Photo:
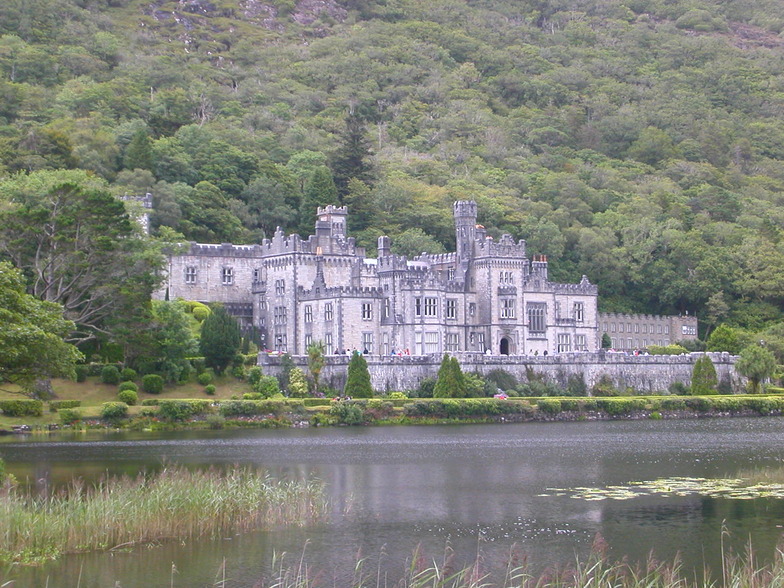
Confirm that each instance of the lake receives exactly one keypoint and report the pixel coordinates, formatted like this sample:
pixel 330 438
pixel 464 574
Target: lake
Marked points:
pixel 487 490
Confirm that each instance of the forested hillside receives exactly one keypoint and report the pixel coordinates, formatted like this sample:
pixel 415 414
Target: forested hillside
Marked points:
pixel 638 142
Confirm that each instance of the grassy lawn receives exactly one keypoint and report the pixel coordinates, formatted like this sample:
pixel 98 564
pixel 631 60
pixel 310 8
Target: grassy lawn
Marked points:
pixel 93 394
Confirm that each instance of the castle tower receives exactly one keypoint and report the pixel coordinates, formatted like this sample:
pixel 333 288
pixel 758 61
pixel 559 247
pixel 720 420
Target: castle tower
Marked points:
pixel 465 231
pixel 331 221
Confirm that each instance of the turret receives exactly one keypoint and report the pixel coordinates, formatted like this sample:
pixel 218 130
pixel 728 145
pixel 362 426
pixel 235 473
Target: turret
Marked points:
pixel 465 230
pixel 331 221
pixel 539 266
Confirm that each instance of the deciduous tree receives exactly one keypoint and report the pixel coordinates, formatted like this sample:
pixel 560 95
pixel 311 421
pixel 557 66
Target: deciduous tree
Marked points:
pixel 220 339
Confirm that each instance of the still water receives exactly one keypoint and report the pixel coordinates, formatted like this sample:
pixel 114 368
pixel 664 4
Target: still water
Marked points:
pixel 485 490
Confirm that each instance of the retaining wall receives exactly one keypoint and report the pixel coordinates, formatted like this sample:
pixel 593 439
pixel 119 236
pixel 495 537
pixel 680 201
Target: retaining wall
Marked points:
pixel 645 373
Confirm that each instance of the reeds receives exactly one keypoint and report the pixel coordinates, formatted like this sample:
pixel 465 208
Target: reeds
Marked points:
pixel 595 572
pixel 174 503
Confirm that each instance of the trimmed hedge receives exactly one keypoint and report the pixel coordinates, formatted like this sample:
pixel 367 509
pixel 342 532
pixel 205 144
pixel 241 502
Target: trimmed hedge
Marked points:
pixel 180 410
pixel 22 407
pixel 114 410
pixel 236 408
pixel 465 407
pixel 55 405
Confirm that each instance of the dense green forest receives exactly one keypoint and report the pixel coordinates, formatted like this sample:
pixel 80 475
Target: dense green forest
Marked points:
pixel 639 142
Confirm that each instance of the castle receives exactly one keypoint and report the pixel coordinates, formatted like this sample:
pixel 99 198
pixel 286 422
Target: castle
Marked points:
pixel 487 297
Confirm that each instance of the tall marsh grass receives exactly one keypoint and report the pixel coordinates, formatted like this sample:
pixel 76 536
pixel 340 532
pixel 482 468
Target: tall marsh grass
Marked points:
pixel 597 571
pixel 174 503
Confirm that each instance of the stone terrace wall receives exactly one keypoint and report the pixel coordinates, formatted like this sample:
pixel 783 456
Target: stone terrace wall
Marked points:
pixel 648 374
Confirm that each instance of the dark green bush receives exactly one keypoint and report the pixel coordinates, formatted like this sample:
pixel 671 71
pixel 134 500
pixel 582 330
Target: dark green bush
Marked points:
pixel 114 410
pixel 204 378
pixel 110 375
pixel 55 405
pixel 234 408
pixel 604 387
pixel 678 389
pixel 68 416
pixel 316 401
pixel 152 384
pixel 150 402
pixel 549 405
pixel 180 410
pixel 128 386
pixel 238 371
pixel 129 397
pixel 619 406
pixel 128 375
pixel 82 371
pixel 209 389
pixel 699 403
pixel 673 404
pixel 22 407
pixel 347 413
pixel 198 364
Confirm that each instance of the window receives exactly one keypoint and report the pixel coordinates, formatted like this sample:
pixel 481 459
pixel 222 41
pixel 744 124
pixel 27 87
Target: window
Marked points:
pixel 579 343
pixel 645 329
pixel 666 329
pixel 308 341
pixel 431 306
pixel 620 327
pixel 505 277
pixel 557 309
pixel 451 308
pixel 564 343
pixel 190 274
pixel 687 330
pixel 308 313
pixel 387 308
pixel 279 315
pixel 227 276
pixel 328 314
pixel 367 342
pixel 636 327
pixel 628 327
pixel 431 342
pixel 508 308
pixel 328 348
pixel 605 327
pixel 537 317
pixel 367 311
pixel 480 341
pixel 280 342
pixel 579 312
pixel 452 342
pixel 418 342
pixel 280 287
pixel 417 307
pixel 471 309
pixel 450 273
pixel 256 275
pixel 612 327
pixel 659 329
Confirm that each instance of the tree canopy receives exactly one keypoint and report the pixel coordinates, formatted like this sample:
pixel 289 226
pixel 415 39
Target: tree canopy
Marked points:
pixel 32 344
pixel 640 144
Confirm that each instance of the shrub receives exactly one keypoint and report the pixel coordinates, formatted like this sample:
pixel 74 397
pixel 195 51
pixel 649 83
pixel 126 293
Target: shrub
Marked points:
pixel 549 406
pixel 129 397
pixel 678 389
pixel 703 377
pixel 180 410
pixel 671 349
pixel 238 371
pixel 152 384
pixel 267 386
pixel 55 405
pixel 128 374
pixel 215 421
pixel 204 378
pixel 254 375
pixel 110 375
pixel 128 386
pixel 209 389
pixel 82 371
pixel 604 387
pixel 114 410
pixel 22 407
pixel 150 402
pixel 68 416
pixel 199 364
pixel 234 408
pixel 397 395
pixel 619 406
pixel 347 413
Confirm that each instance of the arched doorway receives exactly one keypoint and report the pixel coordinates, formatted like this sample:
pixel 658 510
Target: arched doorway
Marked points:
pixel 504 346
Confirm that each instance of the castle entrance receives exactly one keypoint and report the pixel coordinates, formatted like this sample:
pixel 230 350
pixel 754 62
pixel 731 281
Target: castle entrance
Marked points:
pixel 504 346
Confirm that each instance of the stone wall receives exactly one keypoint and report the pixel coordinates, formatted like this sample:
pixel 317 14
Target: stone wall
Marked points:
pixel 647 374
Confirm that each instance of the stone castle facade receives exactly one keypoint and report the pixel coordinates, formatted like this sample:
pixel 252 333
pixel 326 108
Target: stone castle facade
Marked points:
pixel 487 297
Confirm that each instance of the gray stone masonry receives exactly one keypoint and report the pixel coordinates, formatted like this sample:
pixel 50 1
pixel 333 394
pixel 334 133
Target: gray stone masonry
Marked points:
pixel 648 374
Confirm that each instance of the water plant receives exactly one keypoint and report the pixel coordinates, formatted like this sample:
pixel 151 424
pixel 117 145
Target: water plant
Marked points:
pixel 175 503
